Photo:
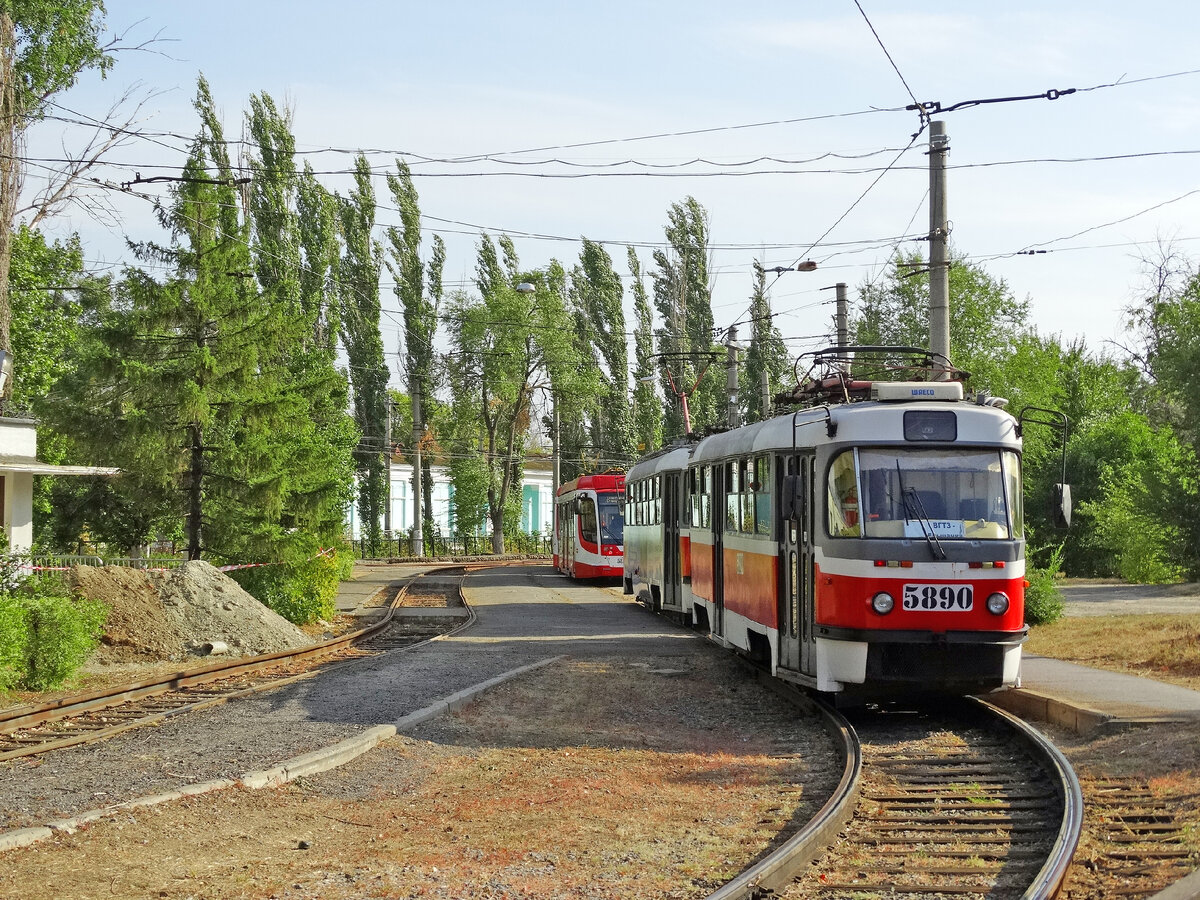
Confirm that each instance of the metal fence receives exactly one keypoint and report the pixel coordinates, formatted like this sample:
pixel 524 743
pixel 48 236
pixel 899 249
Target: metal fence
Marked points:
pixel 440 546
pixel 64 561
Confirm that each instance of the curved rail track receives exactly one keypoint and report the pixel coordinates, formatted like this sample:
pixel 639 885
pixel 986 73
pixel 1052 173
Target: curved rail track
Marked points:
pixel 964 802
pixel 31 730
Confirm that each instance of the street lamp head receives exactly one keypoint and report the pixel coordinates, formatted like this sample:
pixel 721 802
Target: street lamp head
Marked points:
pixel 649 379
pixel 526 287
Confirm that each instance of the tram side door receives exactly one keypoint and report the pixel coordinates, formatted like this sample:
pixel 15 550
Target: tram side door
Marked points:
pixel 720 503
pixel 796 558
pixel 671 598
pixel 566 530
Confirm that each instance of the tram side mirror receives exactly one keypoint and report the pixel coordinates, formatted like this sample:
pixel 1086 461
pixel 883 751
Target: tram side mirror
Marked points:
pixel 1062 505
pixel 792 499
pixel 576 506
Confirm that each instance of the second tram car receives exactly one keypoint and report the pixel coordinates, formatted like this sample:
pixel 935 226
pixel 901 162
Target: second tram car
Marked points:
pixel 658 564
pixel 865 547
pixel 589 527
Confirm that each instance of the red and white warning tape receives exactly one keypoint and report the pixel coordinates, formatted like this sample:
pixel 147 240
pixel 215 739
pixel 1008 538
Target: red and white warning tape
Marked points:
pixel 29 567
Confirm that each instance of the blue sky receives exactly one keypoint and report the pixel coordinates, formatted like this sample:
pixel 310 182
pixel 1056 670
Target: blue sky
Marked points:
pixel 459 79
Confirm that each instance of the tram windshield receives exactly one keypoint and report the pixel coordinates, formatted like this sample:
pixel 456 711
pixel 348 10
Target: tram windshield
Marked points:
pixel 612 519
pixel 884 492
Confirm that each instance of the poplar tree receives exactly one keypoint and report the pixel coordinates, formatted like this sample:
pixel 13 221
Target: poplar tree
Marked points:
pixel 767 355
pixel 599 297
pixel 685 340
pixel 358 289
pixel 647 407
pixel 419 290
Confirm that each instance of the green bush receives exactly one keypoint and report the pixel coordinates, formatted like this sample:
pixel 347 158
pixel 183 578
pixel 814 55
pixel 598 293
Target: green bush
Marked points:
pixel 46 634
pixel 302 593
pixel 1043 600
pixel 14 643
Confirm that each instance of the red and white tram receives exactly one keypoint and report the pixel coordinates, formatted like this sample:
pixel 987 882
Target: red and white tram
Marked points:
pixel 864 547
pixel 589 526
pixel 658 564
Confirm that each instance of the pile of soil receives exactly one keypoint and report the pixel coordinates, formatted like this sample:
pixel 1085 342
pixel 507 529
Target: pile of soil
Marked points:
pixel 180 614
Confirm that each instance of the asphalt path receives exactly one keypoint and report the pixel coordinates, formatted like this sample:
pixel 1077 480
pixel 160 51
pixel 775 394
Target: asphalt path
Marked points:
pixel 524 615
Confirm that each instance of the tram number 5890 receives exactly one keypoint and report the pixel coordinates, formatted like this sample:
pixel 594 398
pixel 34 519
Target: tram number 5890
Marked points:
pixel 949 597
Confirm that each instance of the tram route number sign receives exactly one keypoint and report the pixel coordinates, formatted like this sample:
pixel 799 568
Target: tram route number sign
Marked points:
pixel 943 597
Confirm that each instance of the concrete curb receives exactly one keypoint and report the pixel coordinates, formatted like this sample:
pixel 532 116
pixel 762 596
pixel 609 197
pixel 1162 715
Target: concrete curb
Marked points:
pixel 298 766
pixel 23 837
pixel 1031 704
pixel 455 700
pixel 1186 888
pixel 318 760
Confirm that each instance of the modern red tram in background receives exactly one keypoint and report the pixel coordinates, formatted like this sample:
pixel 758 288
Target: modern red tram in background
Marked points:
pixel 589 527
pixel 869 546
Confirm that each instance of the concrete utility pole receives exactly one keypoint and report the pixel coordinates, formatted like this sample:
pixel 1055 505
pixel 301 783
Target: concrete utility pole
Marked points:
pixel 731 377
pixel 387 480
pixel 939 271
pixel 557 472
pixel 843 315
pixel 418 517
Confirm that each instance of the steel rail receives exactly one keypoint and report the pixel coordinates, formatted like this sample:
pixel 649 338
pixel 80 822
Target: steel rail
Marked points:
pixel 1052 876
pixel 779 868
pixel 21 717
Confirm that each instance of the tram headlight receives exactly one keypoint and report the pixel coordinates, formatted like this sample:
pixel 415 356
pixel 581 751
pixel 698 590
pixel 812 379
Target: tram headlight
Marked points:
pixel 997 603
pixel 883 603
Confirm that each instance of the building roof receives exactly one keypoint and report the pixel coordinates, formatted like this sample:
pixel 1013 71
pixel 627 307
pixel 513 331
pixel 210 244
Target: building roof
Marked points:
pixel 33 466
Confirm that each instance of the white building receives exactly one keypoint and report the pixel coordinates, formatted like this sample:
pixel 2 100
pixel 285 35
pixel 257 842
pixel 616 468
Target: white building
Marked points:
pixel 18 465
pixel 537 500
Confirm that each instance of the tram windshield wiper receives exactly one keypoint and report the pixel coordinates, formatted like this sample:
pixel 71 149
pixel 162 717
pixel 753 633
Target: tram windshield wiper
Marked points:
pixel 914 506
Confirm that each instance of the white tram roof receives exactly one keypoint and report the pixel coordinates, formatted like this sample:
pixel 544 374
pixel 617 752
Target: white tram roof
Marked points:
pixel 869 421
pixel 673 459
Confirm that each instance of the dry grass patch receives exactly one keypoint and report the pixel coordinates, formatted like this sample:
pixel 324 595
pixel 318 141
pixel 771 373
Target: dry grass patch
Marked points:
pixel 1165 647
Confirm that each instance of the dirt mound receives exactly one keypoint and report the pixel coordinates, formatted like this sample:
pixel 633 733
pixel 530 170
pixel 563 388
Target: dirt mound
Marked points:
pixel 177 614
pixel 138 627
pixel 210 606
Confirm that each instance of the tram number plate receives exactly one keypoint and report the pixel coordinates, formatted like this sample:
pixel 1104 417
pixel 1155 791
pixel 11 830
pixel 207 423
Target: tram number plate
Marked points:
pixel 948 597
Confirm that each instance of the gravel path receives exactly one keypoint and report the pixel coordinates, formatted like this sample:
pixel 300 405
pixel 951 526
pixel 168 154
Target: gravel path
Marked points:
pixel 517 625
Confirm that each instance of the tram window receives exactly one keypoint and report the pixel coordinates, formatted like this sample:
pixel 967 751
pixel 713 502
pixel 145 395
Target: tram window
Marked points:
pixel 731 498
pixel 747 502
pixel 612 526
pixel 1012 479
pixel 965 493
pixel 762 495
pixel 587 520
pixel 843 497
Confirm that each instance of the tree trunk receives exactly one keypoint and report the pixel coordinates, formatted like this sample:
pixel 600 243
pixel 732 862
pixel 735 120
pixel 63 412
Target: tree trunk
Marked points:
pixel 497 517
pixel 10 175
pixel 195 499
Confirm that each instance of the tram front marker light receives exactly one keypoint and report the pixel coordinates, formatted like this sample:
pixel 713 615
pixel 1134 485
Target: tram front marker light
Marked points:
pixel 997 603
pixel 883 603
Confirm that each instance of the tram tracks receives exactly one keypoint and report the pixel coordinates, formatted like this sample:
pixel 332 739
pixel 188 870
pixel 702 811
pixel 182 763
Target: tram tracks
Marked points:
pixel 968 802
pixel 1138 838
pixel 33 730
